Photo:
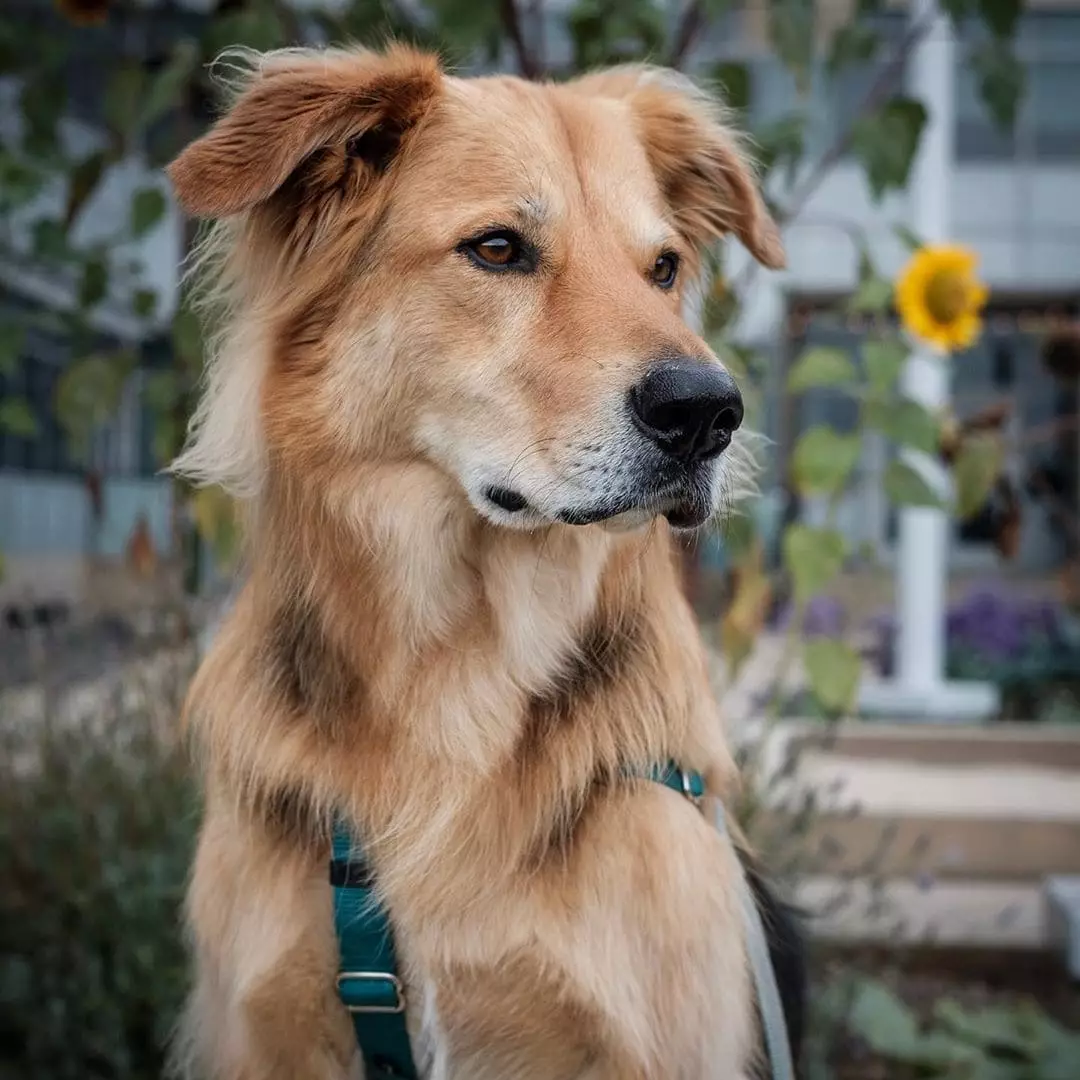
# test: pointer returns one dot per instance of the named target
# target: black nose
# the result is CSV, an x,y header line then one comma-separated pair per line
x,y
689,408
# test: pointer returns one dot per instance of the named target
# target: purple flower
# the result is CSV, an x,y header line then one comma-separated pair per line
x,y
825,617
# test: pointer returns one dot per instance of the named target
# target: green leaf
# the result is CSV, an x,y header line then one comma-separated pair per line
x,y
958,10
94,284
83,182
161,391
883,1021
907,238
12,339
832,669
873,296
167,85
906,422
602,31
885,143
780,144
813,557
187,340
853,43
144,303
906,487
124,94
821,366
734,79
254,27
1001,16
17,418
42,103
1001,79
216,521
147,209
792,32
976,470
88,394
1000,1028
20,181
823,460
884,360
50,240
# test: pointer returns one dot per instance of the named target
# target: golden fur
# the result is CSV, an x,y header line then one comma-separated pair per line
x,y
468,686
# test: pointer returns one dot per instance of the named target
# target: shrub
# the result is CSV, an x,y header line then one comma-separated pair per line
x,y
96,833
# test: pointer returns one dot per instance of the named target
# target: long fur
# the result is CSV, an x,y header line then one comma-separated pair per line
x,y
470,686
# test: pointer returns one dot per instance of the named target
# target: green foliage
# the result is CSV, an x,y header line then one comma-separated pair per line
x,y
885,143
792,30
906,422
1020,1043
614,31
813,557
96,837
906,486
872,295
823,460
821,366
883,360
976,470
147,209
17,418
1001,80
833,670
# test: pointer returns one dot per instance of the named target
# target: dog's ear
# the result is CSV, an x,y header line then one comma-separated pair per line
x,y
702,171
297,103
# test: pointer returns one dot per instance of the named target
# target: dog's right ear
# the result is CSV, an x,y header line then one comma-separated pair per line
x,y
297,103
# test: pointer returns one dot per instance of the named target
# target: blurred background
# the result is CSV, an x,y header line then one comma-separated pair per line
x,y
894,618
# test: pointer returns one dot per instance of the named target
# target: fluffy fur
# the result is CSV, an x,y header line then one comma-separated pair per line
x,y
468,684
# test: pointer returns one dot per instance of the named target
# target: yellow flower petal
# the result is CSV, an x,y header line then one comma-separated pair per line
x,y
939,298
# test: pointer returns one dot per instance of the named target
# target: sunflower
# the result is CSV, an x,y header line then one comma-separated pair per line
x,y
939,298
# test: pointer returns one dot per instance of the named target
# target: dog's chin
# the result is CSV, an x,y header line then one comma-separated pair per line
x,y
687,504
684,512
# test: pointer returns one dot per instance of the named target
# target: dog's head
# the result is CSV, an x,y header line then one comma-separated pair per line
x,y
486,275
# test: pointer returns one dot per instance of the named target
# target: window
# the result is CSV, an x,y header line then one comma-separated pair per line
x,y
118,447
1047,126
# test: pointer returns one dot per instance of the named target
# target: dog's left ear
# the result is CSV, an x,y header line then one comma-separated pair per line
x,y
703,173
294,104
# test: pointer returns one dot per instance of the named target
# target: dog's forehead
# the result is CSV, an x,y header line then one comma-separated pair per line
x,y
562,153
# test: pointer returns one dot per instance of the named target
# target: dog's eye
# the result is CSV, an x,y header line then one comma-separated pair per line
x,y
665,270
500,250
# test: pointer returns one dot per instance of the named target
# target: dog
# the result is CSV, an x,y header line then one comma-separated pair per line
x,y
454,391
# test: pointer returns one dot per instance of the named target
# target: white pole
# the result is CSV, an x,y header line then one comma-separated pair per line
x,y
924,533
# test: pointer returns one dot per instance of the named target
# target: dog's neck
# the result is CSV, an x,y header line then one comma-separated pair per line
x,y
399,574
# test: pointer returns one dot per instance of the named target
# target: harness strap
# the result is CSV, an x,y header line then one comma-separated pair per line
x,y
370,989
367,980
771,1008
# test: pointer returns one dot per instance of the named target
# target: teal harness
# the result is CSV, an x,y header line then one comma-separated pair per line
x,y
372,992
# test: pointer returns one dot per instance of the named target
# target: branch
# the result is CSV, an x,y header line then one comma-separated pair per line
x,y
511,20
690,25
880,91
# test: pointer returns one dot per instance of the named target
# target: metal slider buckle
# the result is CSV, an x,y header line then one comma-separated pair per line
x,y
688,788
375,976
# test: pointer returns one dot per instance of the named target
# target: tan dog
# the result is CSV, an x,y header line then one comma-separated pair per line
x,y
452,351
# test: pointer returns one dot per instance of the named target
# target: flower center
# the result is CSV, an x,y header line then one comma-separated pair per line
x,y
946,296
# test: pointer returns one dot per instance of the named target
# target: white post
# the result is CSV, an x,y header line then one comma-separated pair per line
x,y
923,535
919,689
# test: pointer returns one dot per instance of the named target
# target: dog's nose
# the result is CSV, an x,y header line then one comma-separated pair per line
x,y
688,408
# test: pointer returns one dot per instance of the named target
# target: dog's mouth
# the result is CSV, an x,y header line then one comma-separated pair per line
x,y
688,511
684,509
